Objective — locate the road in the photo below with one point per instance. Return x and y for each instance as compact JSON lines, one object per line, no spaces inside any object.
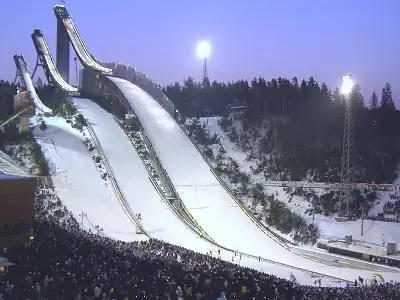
{"x":342,"y":261}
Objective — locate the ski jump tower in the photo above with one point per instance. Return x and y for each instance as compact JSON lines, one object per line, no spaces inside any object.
{"x":63,"y":49}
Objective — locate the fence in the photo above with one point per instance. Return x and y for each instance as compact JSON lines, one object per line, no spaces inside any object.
{"x":143,"y":81}
{"x":115,"y":185}
{"x":8,"y":165}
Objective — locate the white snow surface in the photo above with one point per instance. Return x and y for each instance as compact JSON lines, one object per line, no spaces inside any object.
{"x":51,"y":65}
{"x":133,"y":179}
{"x":81,"y":189}
{"x":78,"y":183}
{"x":30,"y":87}
{"x":158,"y":220}
{"x":375,"y":232}
{"x":80,"y":48}
{"x":206,"y":199}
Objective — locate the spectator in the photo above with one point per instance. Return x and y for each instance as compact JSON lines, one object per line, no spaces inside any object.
{"x":65,"y":262}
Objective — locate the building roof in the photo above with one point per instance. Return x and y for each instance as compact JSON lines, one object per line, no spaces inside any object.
{"x":4,"y":176}
{"x":236,"y":104}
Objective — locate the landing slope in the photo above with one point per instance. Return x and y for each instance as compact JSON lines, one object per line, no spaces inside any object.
{"x":133,"y":179}
{"x":77,"y":181}
{"x":207,"y":200}
{"x":160,"y":222}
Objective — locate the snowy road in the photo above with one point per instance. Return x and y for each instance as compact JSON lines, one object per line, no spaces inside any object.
{"x":342,"y":261}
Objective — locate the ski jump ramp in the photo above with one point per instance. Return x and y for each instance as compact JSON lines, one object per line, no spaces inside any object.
{"x":82,"y":52}
{"x":43,"y":50}
{"x":207,"y":200}
{"x":27,"y":81}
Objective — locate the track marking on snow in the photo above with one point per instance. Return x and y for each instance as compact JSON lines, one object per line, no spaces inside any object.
{"x":198,"y":207}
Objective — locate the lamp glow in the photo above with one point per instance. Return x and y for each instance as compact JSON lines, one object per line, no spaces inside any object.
{"x":203,"y":50}
{"x":347,"y":85}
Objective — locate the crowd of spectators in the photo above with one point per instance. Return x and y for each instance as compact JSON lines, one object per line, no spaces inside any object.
{"x":65,"y":262}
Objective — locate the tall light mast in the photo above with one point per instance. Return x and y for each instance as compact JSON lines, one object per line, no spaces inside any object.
{"x":346,"y":171}
{"x":203,"y":51}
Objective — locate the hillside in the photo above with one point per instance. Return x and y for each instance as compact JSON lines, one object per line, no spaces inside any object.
{"x":301,"y":124}
{"x":292,"y":130}
{"x":290,"y":210}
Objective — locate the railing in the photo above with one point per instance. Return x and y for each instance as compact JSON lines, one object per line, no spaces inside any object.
{"x":186,"y":216}
{"x":276,"y":237}
{"x":114,"y":183}
{"x":10,"y":166}
{"x":143,"y":81}
{"x":261,"y":259}
{"x":129,"y":109}
{"x":150,"y":87}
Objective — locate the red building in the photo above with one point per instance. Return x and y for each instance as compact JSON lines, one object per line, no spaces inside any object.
{"x":17,"y":195}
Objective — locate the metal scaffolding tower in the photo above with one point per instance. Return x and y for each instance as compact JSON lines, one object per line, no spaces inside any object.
{"x":18,"y":75}
{"x":347,"y":151}
{"x":205,"y":69}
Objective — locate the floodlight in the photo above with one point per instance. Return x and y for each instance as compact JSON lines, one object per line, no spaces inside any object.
{"x":203,"y":50}
{"x":347,"y":85}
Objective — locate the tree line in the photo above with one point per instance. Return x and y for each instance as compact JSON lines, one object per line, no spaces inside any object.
{"x":306,"y":119}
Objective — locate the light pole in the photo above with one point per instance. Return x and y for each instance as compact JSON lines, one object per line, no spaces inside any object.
{"x":82,"y":215}
{"x":345,"y":90}
{"x":208,"y":114}
{"x":362,"y":219}
{"x":203,"y":51}
{"x":76,"y":70}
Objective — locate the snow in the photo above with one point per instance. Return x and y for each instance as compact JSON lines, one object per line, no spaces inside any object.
{"x":158,"y":220}
{"x":201,"y":192}
{"x":80,"y":48}
{"x":18,"y":165}
{"x":133,"y":179}
{"x":29,"y":85}
{"x":374,"y":231}
{"x":52,"y":67}
{"x":78,"y":183}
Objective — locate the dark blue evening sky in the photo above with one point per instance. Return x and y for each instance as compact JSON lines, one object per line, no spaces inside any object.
{"x":250,"y":38}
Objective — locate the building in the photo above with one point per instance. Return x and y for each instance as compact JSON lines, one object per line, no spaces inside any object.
{"x":236,"y":109}
{"x":17,"y":195}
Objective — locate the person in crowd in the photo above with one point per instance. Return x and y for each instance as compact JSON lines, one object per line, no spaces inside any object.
{"x":64,"y":262}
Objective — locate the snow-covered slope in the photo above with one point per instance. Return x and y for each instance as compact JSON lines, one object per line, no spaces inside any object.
{"x":133,"y":179}
{"x":374,"y":231}
{"x":201,"y":192}
{"x":78,"y":183}
{"x":210,"y":204}
{"x":80,"y":188}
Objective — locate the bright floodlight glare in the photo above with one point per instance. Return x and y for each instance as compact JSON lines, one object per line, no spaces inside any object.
{"x":203,"y":49}
{"x":347,"y":85}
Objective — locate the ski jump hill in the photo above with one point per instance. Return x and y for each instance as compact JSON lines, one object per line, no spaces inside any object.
{"x":208,"y":209}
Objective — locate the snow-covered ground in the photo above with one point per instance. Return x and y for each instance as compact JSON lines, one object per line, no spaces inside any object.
{"x":78,"y":183}
{"x":206,"y":199}
{"x":133,"y":178}
{"x":22,"y":155}
{"x":158,"y":220}
{"x":374,"y":231}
